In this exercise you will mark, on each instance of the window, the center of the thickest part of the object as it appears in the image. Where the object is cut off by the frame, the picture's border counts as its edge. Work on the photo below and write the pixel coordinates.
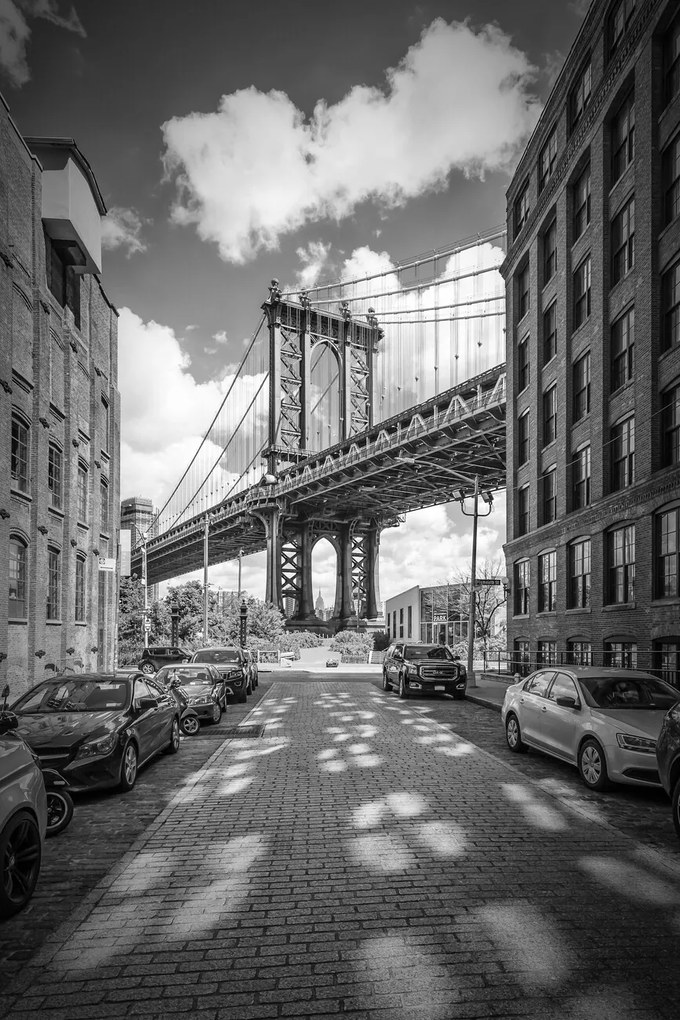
(53, 584)
(410, 621)
(104, 500)
(622, 654)
(54, 476)
(623, 241)
(671, 61)
(620, 549)
(549, 415)
(582, 293)
(521, 588)
(671, 180)
(550, 252)
(19, 459)
(522, 656)
(523, 438)
(670, 426)
(623, 350)
(546, 655)
(523, 294)
(105, 424)
(580, 95)
(578, 591)
(82, 490)
(580, 653)
(547, 582)
(540, 683)
(623, 138)
(547, 160)
(523, 519)
(619, 22)
(670, 307)
(549, 492)
(550, 332)
(623, 454)
(523, 364)
(563, 687)
(667, 534)
(521, 209)
(401, 622)
(62, 279)
(580, 479)
(582, 203)
(80, 590)
(667, 660)
(18, 579)
(581, 390)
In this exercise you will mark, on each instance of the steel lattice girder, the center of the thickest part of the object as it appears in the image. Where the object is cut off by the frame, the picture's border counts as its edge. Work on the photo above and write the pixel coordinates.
(413, 460)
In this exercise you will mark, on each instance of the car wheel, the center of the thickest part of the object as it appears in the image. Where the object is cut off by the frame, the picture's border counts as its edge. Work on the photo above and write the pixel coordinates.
(148, 668)
(249, 688)
(403, 689)
(592, 765)
(386, 685)
(216, 713)
(59, 811)
(128, 768)
(190, 725)
(513, 734)
(242, 696)
(20, 853)
(675, 800)
(173, 746)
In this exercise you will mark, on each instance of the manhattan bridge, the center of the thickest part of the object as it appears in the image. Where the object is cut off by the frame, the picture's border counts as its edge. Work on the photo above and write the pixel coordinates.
(356, 402)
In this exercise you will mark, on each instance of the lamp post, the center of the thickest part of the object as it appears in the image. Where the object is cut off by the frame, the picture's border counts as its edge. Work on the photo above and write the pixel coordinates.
(206, 539)
(488, 499)
(240, 558)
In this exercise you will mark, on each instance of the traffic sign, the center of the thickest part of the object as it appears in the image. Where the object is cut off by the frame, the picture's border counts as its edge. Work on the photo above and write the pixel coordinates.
(488, 580)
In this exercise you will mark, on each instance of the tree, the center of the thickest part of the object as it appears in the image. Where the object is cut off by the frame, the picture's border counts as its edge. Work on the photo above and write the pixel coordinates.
(488, 601)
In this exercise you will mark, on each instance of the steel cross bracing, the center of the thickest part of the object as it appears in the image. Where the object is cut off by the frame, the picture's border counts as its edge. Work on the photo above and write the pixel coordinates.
(427, 455)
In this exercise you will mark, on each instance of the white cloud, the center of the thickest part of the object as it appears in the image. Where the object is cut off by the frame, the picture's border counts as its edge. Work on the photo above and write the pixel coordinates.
(122, 228)
(15, 32)
(314, 258)
(459, 100)
(221, 337)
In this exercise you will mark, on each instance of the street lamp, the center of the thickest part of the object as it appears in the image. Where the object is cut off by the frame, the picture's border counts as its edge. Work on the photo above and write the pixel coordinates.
(240, 558)
(487, 498)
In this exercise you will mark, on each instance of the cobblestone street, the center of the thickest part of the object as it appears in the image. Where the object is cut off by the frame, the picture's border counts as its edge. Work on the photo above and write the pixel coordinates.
(364, 856)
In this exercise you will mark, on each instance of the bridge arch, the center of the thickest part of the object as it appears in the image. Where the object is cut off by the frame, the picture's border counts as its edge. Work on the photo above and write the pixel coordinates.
(325, 572)
(324, 426)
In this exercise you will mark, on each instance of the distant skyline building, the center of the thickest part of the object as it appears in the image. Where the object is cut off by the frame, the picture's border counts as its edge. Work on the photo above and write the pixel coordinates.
(138, 516)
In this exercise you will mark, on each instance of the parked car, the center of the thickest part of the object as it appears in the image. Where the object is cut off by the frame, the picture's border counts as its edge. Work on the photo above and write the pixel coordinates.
(332, 663)
(98, 729)
(156, 656)
(668, 759)
(233, 666)
(23, 816)
(605, 721)
(202, 685)
(427, 669)
(251, 659)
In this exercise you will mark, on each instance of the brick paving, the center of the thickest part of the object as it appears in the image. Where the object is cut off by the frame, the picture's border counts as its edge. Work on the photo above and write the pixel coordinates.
(362, 858)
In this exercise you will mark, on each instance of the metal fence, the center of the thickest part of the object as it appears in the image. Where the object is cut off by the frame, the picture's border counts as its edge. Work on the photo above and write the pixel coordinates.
(661, 663)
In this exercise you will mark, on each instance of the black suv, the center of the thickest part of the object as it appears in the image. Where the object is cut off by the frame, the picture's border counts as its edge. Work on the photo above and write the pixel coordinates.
(156, 656)
(431, 669)
(233, 667)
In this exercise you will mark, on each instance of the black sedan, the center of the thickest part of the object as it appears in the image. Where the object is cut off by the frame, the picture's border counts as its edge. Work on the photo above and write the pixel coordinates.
(98, 729)
(204, 688)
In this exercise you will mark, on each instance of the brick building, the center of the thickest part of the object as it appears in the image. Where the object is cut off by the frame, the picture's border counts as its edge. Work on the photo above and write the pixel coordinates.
(59, 414)
(593, 352)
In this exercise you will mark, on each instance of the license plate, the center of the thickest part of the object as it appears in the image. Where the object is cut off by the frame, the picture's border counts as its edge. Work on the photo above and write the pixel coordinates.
(439, 687)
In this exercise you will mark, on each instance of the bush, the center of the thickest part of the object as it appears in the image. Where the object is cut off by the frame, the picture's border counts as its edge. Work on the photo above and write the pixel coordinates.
(381, 640)
(356, 644)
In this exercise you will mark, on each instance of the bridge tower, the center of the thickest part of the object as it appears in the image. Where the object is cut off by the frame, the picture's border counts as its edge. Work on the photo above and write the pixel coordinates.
(300, 336)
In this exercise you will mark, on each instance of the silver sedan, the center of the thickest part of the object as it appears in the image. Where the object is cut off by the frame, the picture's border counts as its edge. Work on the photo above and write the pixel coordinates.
(604, 721)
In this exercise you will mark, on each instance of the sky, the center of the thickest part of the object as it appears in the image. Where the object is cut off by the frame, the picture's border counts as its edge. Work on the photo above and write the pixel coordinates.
(235, 142)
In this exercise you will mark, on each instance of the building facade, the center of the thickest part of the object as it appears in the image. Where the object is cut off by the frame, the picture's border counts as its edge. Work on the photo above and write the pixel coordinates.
(59, 415)
(593, 353)
(435, 615)
(139, 517)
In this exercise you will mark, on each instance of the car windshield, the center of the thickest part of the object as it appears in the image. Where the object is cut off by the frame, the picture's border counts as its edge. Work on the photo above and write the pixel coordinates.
(184, 675)
(427, 652)
(217, 655)
(75, 695)
(196, 683)
(630, 692)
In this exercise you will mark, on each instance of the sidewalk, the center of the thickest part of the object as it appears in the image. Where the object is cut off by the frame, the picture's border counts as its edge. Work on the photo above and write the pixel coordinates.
(489, 691)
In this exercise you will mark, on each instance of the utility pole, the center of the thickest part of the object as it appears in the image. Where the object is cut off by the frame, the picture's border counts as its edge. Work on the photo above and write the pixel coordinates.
(487, 498)
(240, 558)
(206, 537)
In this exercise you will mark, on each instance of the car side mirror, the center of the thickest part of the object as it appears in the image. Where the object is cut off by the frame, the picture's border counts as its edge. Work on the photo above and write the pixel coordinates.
(146, 703)
(8, 722)
(567, 702)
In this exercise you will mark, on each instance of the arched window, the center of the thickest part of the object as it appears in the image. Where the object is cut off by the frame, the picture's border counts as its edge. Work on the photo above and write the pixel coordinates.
(55, 477)
(667, 553)
(104, 499)
(20, 447)
(81, 574)
(82, 490)
(53, 611)
(18, 578)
